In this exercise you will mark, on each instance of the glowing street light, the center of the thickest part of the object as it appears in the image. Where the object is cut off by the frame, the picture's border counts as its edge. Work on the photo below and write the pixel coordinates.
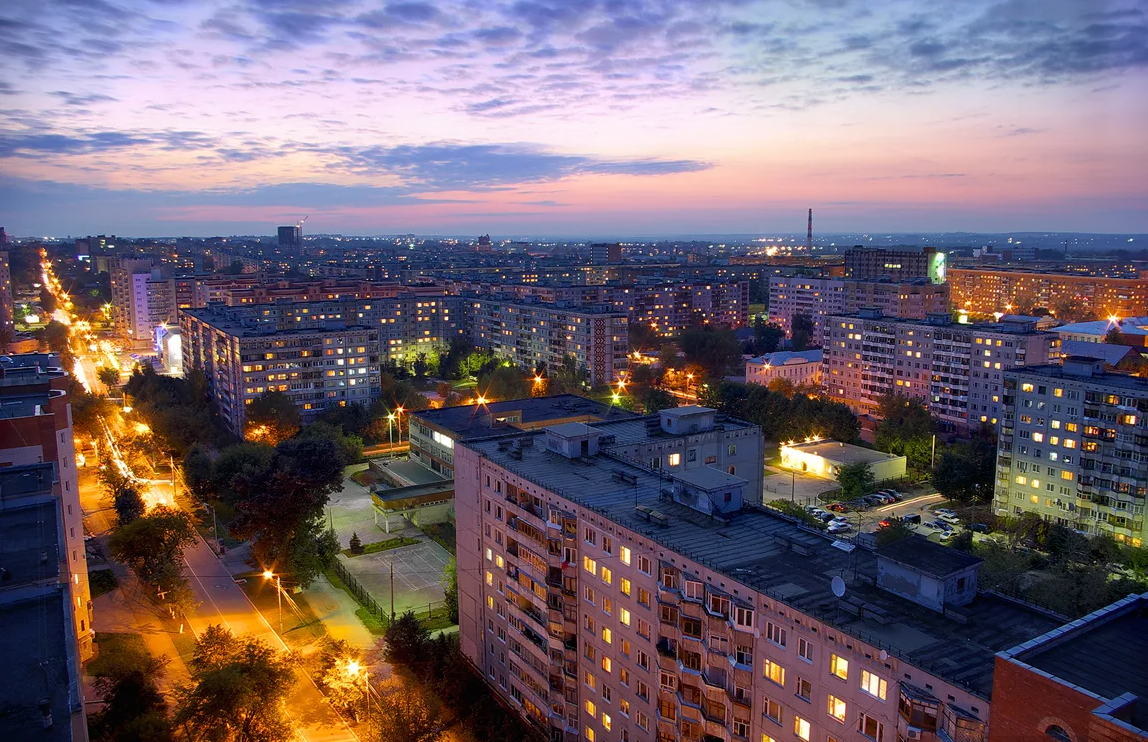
(481, 399)
(353, 668)
(267, 575)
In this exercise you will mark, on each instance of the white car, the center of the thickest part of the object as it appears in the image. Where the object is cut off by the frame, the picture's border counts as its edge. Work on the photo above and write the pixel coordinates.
(949, 518)
(944, 511)
(839, 528)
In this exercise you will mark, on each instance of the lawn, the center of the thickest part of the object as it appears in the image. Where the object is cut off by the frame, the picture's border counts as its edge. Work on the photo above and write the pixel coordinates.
(102, 582)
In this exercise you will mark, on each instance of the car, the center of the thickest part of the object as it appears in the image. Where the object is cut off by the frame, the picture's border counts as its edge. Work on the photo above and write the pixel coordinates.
(839, 519)
(824, 516)
(884, 498)
(980, 527)
(838, 507)
(885, 523)
(940, 525)
(949, 518)
(897, 496)
(911, 518)
(839, 528)
(811, 508)
(944, 511)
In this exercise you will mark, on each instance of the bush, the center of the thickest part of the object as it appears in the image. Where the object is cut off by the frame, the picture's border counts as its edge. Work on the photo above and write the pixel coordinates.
(794, 510)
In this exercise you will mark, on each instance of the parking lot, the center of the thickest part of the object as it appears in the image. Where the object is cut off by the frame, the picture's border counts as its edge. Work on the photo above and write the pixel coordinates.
(418, 575)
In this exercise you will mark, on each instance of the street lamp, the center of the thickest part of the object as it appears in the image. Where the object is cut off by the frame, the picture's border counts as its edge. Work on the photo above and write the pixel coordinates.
(267, 575)
(390, 432)
(399, 422)
(353, 668)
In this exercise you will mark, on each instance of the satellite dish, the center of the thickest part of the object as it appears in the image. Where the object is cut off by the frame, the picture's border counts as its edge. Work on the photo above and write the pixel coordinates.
(884, 655)
(838, 587)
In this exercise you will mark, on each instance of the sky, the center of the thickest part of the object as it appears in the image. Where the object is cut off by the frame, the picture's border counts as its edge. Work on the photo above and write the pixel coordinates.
(555, 117)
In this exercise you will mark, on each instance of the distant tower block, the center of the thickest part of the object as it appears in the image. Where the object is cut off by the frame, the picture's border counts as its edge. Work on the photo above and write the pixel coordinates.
(809, 232)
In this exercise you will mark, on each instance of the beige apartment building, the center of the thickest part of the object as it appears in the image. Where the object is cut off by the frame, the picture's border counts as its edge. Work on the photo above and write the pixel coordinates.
(606, 600)
(908, 299)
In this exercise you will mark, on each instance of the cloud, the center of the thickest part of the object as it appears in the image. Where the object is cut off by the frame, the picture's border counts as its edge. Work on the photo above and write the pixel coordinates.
(44, 145)
(74, 99)
(448, 166)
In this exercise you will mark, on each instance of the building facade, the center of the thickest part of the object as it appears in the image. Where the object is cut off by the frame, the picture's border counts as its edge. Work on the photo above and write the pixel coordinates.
(909, 299)
(531, 334)
(956, 369)
(607, 601)
(816, 298)
(894, 264)
(802, 369)
(7, 308)
(986, 291)
(36, 428)
(334, 361)
(1071, 448)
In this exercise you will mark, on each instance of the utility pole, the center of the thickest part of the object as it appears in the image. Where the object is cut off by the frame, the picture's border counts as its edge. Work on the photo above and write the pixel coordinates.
(793, 486)
(392, 589)
(933, 455)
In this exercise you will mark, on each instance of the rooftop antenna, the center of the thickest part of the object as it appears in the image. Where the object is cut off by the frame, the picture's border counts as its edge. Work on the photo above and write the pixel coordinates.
(809, 232)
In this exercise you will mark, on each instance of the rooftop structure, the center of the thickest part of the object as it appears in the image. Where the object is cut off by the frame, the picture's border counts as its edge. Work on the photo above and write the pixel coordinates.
(827, 458)
(1080, 682)
(1133, 330)
(800, 368)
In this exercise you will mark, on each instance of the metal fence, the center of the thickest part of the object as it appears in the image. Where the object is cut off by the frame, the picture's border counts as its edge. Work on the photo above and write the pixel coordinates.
(424, 611)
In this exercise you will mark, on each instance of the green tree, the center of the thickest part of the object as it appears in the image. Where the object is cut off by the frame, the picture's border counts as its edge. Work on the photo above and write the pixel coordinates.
(57, 336)
(406, 642)
(709, 348)
(642, 336)
(128, 504)
(766, 337)
(179, 411)
(237, 692)
(450, 588)
(350, 447)
(906, 429)
(965, 472)
(855, 479)
(199, 472)
(153, 547)
(1115, 337)
(108, 376)
(407, 713)
(803, 332)
(87, 412)
(239, 463)
(335, 666)
(134, 709)
(656, 400)
(272, 418)
(895, 531)
(505, 382)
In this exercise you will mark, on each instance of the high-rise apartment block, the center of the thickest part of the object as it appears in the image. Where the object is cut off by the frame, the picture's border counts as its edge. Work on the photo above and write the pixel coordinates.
(143, 298)
(607, 600)
(533, 333)
(1067, 295)
(816, 298)
(1071, 448)
(894, 264)
(915, 299)
(324, 361)
(7, 308)
(36, 429)
(291, 237)
(602, 253)
(957, 370)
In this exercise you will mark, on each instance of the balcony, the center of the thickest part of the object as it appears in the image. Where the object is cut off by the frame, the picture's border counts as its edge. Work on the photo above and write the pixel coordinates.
(667, 647)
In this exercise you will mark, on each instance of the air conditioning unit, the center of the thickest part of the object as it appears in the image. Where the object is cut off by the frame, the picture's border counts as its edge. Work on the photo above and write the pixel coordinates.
(912, 733)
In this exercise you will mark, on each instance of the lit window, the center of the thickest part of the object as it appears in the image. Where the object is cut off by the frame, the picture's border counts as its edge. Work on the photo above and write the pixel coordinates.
(775, 672)
(873, 685)
(589, 565)
(624, 616)
(836, 708)
(675, 459)
(839, 666)
(801, 728)
(624, 554)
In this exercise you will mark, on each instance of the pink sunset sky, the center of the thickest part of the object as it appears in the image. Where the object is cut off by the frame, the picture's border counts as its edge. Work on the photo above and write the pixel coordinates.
(551, 117)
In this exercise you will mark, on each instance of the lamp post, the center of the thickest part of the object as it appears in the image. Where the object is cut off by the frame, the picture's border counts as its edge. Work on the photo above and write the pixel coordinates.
(267, 575)
(353, 668)
(391, 433)
(399, 422)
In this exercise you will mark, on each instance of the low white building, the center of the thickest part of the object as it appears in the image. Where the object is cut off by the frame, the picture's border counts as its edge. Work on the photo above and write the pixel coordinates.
(826, 458)
(803, 368)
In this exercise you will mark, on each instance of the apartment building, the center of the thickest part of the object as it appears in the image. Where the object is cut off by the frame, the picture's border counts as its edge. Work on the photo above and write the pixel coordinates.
(956, 369)
(915, 299)
(35, 429)
(141, 298)
(894, 264)
(986, 291)
(608, 601)
(40, 681)
(816, 298)
(530, 334)
(7, 308)
(323, 362)
(802, 369)
(1072, 448)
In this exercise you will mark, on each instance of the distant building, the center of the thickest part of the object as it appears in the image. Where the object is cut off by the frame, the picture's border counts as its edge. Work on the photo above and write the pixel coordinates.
(605, 254)
(1071, 446)
(1133, 331)
(317, 364)
(143, 298)
(531, 334)
(1077, 683)
(815, 298)
(7, 318)
(998, 290)
(915, 299)
(894, 264)
(484, 244)
(801, 368)
(956, 370)
(826, 459)
(291, 237)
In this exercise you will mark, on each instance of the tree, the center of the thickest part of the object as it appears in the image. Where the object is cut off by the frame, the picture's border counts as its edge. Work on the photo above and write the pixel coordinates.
(766, 337)
(134, 708)
(57, 336)
(641, 336)
(965, 472)
(237, 691)
(199, 472)
(855, 479)
(128, 504)
(153, 546)
(713, 350)
(782, 386)
(506, 382)
(895, 531)
(407, 713)
(350, 447)
(1114, 336)
(450, 588)
(239, 463)
(656, 400)
(335, 668)
(803, 332)
(355, 544)
(906, 429)
(108, 376)
(406, 641)
(271, 418)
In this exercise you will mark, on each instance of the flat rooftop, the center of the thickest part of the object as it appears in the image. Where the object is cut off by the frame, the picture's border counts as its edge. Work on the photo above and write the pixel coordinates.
(1094, 652)
(846, 453)
(925, 556)
(472, 421)
(233, 321)
(36, 665)
(789, 563)
(1112, 378)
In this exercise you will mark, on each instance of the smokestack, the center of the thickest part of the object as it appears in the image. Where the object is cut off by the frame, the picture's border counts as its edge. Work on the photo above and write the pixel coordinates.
(809, 232)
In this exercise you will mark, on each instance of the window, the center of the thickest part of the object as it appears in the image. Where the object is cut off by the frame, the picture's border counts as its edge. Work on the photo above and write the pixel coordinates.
(719, 604)
(694, 590)
(644, 565)
(624, 616)
(591, 708)
(607, 635)
(624, 586)
(1057, 733)
(607, 722)
(643, 628)
(839, 666)
(774, 672)
(873, 685)
(801, 728)
(731, 450)
(591, 681)
(667, 680)
(743, 618)
(775, 634)
(590, 536)
(589, 565)
(744, 655)
(643, 660)
(607, 575)
(772, 710)
(805, 650)
(590, 734)
(740, 728)
(624, 554)
(836, 708)
(675, 459)
(870, 727)
(804, 689)
(643, 597)
(691, 627)
(643, 721)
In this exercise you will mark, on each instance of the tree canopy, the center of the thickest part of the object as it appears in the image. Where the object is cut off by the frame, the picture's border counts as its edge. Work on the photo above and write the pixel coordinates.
(783, 418)
(271, 418)
(856, 479)
(906, 429)
(711, 349)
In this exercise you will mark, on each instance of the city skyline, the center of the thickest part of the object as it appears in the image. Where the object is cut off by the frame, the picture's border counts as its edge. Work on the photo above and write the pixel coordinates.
(573, 118)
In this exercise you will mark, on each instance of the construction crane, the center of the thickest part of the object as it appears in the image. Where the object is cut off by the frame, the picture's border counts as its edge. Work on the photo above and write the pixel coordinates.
(299, 224)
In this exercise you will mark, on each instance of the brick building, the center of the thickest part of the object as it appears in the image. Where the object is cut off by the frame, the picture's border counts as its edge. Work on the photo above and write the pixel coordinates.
(987, 291)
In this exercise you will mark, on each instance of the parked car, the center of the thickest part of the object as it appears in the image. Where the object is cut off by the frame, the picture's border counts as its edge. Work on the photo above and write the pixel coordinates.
(940, 525)
(911, 518)
(824, 517)
(944, 511)
(838, 507)
(885, 522)
(839, 519)
(949, 518)
(839, 528)
(980, 527)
